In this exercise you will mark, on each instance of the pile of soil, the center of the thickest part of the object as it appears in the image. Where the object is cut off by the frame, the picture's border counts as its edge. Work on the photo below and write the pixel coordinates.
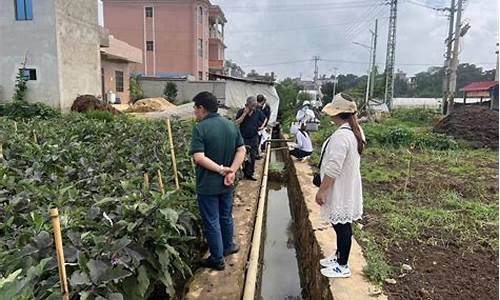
(87, 103)
(150, 105)
(474, 124)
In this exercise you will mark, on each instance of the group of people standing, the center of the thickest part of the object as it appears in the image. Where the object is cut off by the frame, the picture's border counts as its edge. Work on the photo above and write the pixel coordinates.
(219, 148)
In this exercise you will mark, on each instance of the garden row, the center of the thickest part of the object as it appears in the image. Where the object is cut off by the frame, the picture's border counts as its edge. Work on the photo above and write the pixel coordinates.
(124, 237)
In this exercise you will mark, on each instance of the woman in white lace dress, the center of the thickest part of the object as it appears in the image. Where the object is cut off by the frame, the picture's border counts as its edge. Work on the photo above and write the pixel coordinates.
(340, 193)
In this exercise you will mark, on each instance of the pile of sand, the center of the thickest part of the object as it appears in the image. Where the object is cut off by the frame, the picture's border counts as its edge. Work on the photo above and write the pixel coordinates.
(150, 105)
(475, 124)
(85, 103)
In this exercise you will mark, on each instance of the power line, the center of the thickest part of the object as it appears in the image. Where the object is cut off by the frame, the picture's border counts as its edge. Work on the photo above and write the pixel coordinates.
(229, 31)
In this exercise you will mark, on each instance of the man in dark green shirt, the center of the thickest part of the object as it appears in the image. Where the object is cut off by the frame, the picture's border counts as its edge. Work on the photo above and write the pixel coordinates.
(218, 151)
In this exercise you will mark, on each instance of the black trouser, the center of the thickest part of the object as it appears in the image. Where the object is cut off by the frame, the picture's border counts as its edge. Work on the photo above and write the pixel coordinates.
(344, 240)
(249, 167)
(299, 153)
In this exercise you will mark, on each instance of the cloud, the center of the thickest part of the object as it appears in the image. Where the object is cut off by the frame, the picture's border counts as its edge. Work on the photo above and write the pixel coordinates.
(283, 36)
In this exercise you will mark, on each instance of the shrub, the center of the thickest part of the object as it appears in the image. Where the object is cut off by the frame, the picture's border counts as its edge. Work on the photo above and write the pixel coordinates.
(398, 137)
(416, 115)
(435, 141)
(99, 115)
(135, 89)
(24, 110)
(170, 90)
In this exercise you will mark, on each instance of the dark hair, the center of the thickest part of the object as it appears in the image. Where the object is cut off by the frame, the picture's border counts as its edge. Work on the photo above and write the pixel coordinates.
(207, 100)
(353, 122)
(261, 98)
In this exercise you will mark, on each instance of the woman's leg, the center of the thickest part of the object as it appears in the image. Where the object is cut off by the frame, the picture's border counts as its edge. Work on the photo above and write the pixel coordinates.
(295, 152)
(344, 241)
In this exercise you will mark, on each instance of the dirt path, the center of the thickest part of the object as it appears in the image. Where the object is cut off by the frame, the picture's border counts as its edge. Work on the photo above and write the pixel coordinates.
(228, 284)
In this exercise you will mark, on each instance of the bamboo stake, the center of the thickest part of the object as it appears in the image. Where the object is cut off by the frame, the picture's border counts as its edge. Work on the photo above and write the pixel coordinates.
(172, 153)
(193, 165)
(253, 261)
(1, 151)
(15, 126)
(160, 182)
(146, 181)
(35, 139)
(54, 215)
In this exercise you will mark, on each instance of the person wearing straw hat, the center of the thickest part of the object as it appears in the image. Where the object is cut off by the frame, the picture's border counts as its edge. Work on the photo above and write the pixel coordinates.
(340, 192)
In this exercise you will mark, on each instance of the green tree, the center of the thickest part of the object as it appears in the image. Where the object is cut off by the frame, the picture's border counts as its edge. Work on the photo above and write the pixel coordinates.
(170, 90)
(135, 88)
(20, 85)
(288, 90)
(233, 69)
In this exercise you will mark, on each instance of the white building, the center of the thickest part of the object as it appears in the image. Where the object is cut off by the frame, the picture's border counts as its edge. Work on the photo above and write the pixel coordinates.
(60, 40)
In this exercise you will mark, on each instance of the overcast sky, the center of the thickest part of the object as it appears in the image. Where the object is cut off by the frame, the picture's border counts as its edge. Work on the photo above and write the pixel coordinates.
(283, 35)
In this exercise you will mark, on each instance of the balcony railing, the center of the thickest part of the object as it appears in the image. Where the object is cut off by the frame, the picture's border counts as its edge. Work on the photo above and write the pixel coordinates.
(216, 34)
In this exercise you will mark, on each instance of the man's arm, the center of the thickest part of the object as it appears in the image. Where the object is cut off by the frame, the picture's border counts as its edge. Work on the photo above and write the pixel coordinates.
(237, 161)
(205, 162)
(263, 124)
(238, 158)
(241, 117)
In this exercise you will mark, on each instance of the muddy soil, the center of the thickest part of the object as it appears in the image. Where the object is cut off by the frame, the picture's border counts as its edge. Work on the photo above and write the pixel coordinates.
(474, 124)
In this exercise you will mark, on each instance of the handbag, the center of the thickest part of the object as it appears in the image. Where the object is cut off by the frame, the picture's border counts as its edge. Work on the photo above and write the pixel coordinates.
(317, 175)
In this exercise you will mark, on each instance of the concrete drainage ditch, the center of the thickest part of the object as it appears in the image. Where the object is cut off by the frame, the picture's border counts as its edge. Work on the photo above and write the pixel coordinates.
(287, 242)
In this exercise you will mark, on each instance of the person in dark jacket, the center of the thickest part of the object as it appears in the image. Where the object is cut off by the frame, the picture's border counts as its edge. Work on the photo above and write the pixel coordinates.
(250, 119)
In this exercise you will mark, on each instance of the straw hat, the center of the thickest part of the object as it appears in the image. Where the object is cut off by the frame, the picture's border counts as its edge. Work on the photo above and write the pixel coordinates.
(341, 103)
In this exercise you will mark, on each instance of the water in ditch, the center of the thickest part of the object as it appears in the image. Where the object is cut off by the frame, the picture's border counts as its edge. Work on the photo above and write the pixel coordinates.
(280, 272)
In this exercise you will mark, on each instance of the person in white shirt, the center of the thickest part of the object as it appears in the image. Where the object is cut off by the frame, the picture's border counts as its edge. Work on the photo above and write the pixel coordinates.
(340, 193)
(305, 114)
(304, 146)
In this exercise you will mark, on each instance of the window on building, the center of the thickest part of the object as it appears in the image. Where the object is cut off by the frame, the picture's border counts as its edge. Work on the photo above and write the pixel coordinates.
(200, 75)
(200, 15)
(150, 46)
(149, 12)
(24, 10)
(200, 47)
(119, 81)
(29, 74)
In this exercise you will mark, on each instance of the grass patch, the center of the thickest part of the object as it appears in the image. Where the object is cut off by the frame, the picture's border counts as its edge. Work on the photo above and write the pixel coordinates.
(377, 269)
(380, 175)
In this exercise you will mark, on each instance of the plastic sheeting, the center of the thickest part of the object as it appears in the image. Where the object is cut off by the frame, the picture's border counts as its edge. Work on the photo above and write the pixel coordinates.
(237, 93)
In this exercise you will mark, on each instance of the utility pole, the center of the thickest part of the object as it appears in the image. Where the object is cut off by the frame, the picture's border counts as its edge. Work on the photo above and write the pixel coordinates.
(370, 71)
(390, 56)
(452, 86)
(335, 81)
(447, 61)
(316, 76)
(372, 85)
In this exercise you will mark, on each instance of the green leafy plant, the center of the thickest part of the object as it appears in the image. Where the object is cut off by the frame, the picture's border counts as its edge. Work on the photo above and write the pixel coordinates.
(20, 86)
(170, 90)
(121, 240)
(25, 110)
(135, 88)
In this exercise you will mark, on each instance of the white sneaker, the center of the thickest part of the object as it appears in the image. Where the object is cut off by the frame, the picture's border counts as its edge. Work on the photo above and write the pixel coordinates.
(328, 261)
(336, 271)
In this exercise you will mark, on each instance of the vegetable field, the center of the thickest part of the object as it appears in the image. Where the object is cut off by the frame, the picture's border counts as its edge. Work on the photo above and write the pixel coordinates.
(124, 237)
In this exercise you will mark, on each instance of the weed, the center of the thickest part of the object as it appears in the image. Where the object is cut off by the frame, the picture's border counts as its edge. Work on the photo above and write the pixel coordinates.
(376, 269)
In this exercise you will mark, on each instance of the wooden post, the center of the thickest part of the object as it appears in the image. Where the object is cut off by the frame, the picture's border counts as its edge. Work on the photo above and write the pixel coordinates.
(146, 181)
(54, 215)
(193, 165)
(160, 183)
(172, 153)
(1, 151)
(15, 126)
(35, 139)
